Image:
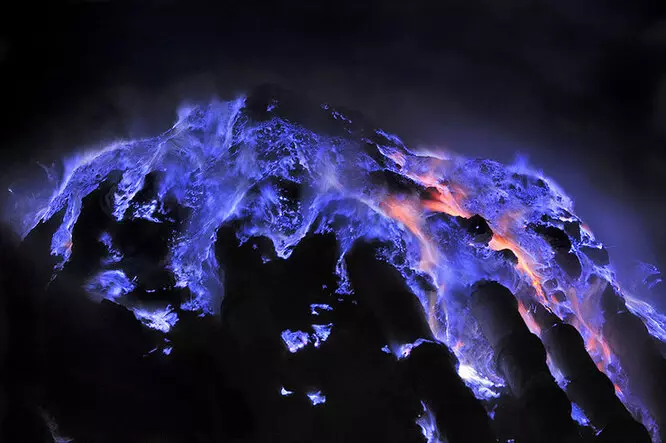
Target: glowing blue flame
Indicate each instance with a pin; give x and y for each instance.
(482, 386)
(110, 285)
(578, 415)
(316, 397)
(283, 181)
(284, 392)
(653, 319)
(315, 308)
(114, 256)
(321, 333)
(403, 351)
(160, 319)
(295, 340)
(146, 212)
(428, 426)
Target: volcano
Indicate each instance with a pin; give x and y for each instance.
(272, 269)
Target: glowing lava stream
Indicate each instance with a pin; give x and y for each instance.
(410, 212)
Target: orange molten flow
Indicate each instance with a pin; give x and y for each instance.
(409, 214)
(528, 319)
(443, 200)
(525, 261)
(594, 343)
(447, 202)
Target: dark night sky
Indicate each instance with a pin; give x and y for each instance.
(580, 87)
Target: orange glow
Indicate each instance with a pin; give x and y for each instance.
(606, 350)
(595, 343)
(459, 345)
(525, 261)
(459, 190)
(449, 199)
(428, 180)
(444, 201)
(408, 214)
(528, 319)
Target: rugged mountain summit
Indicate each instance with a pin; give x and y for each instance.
(271, 269)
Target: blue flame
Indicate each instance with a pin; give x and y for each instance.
(578, 415)
(284, 392)
(403, 351)
(315, 308)
(484, 387)
(321, 333)
(295, 340)
(316, 397)
(160, 319)
(428, 426)
(282, 181)
(114, 256)
(110, 285)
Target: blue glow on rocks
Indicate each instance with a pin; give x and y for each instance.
(316, 397)
(578, 415)
(428, 426)
(284, 392)
(110, 285)
(221, 164)
(403, 351)
(315, 308)
(295, 340)
(321, 333)
(482, 386)
(159, 319)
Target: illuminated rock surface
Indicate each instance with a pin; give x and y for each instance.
(270, 269)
